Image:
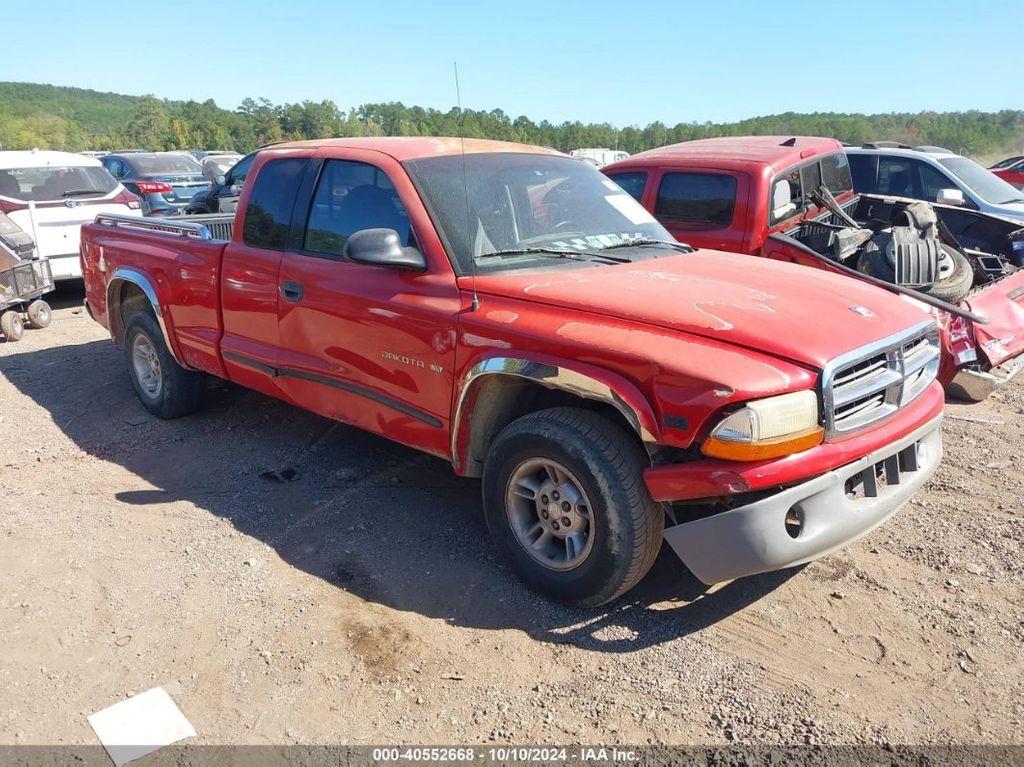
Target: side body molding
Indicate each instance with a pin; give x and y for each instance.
(124, 275)
(631, 405)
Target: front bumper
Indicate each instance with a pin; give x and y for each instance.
(976, 385)
(823, 515)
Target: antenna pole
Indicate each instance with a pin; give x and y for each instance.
(465, 186)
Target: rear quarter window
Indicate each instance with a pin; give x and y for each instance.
(269, 211)
(632, 183)
(863, 167)
(702, 200)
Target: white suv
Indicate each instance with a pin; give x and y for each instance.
(933, 174)
(51, 194)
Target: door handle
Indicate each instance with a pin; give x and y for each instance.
(291, 291)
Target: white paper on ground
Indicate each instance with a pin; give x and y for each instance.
(140, 725)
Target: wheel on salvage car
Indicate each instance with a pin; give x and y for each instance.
(39, 314)
(165, 388)
(566, 505)
(12, 325)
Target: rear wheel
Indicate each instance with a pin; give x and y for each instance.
(165, 388)
(39, 314)
(12, 325)
(566, 505)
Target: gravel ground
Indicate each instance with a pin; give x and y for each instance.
(362, 604)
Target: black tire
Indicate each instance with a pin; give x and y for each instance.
(952, 289)
(180, 391)
(624, 521)
(39, 314)
(12, 325)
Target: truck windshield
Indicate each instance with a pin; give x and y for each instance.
(523, 206)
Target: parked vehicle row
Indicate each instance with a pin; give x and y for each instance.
(164, 181)
(586, 344)
(515, 312)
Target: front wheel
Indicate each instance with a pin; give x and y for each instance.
(165, 388)
(566, 505)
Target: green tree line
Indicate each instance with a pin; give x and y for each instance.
(74, 119)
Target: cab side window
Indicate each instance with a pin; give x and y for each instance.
(269, 212)
(632, 183)
(864, 167)
(349, 197)
(701, 200)
(896, 177)
(932, 181)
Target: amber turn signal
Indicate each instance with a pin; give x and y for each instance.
(715, 447)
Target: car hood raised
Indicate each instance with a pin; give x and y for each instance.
(794, 312)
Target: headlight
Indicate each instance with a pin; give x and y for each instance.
(767, 428)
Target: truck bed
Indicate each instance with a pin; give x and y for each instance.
(180, 259)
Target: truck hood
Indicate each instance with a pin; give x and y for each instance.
(793, 312)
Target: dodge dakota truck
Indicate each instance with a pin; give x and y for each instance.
(792, 199)
(511, 310)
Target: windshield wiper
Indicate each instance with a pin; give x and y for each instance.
(78, 192)
(572, 255)
(678, 246)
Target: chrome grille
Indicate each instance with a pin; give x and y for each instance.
(871, 383)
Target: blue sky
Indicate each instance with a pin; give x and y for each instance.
(627, 63)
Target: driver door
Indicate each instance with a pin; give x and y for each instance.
(367, 345)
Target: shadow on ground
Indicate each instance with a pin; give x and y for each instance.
(386, 523)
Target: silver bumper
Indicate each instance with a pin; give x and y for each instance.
(976, 385)
(822, 515)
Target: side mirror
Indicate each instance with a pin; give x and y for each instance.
(383, 247)
(950, 197)
(221, 178)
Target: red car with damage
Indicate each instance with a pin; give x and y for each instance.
(792, 199)
(510, 310)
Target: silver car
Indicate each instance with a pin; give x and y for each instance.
(933, 174)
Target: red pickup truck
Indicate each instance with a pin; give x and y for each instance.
(511, 310)
(792, 199)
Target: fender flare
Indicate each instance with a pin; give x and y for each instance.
(593, 384)
(122, 276)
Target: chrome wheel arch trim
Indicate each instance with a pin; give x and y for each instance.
(124, 275)
(552, 377)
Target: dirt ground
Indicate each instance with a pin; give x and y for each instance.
(362, 603)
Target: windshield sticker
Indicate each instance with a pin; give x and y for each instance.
(629, 208)
(592, 241)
